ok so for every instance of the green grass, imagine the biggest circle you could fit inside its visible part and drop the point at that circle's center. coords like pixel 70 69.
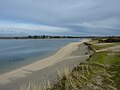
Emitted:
pixel 93 44
pixel 98 47
pixel 114 69
pixel 100 72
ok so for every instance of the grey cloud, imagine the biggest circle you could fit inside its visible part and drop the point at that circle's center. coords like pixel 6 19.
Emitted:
pixel 85 17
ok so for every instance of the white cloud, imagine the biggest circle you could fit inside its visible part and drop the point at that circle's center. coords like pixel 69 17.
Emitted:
pixel 42 28
pixel 30 29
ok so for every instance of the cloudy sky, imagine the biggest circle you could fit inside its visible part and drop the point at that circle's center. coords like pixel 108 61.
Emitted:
pixel 59 17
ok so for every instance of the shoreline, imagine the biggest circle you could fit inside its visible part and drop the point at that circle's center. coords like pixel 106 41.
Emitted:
pixel 29 59
pixel 64 54
pixel 26 62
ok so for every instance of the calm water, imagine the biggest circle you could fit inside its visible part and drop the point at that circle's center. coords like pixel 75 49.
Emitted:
pixel 14 53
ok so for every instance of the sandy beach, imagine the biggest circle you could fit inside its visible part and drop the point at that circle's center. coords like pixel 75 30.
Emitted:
pixel 70 56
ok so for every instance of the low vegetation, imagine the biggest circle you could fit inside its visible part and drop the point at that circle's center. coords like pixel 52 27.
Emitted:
pixel 110 39
pixel 100 72
pixel 41 37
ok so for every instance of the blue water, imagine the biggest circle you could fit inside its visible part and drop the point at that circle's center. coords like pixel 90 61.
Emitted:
pixel 18 52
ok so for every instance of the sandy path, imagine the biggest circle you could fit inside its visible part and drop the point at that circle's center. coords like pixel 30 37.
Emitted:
pixel 113 48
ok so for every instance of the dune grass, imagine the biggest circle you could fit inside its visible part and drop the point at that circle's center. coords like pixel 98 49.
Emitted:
pixel 94 74
pixel 100 72
pixel 33 86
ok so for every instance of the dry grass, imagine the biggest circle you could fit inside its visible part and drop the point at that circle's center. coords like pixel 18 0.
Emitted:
pixel 33 86
pixel 84 77
pixel 94 74
pixel 99 72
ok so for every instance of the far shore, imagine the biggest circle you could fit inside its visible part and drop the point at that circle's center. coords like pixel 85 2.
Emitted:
pixel 70 55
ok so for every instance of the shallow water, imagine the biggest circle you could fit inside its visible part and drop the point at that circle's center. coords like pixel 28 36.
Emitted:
pixel 14 53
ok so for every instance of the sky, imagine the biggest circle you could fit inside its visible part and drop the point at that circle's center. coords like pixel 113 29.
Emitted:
pixel 60 17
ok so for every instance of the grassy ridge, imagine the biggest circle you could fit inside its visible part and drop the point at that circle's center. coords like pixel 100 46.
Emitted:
pixel 100 72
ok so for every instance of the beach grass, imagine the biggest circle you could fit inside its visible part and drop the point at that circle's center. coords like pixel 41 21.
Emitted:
pixel 100 72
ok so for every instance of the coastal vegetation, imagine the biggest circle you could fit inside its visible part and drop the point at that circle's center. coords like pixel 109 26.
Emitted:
pixel 100 72
pixel 110 39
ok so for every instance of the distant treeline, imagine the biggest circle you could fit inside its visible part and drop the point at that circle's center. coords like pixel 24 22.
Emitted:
pixel 110 39
pixel 39 37
pixel 57 37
